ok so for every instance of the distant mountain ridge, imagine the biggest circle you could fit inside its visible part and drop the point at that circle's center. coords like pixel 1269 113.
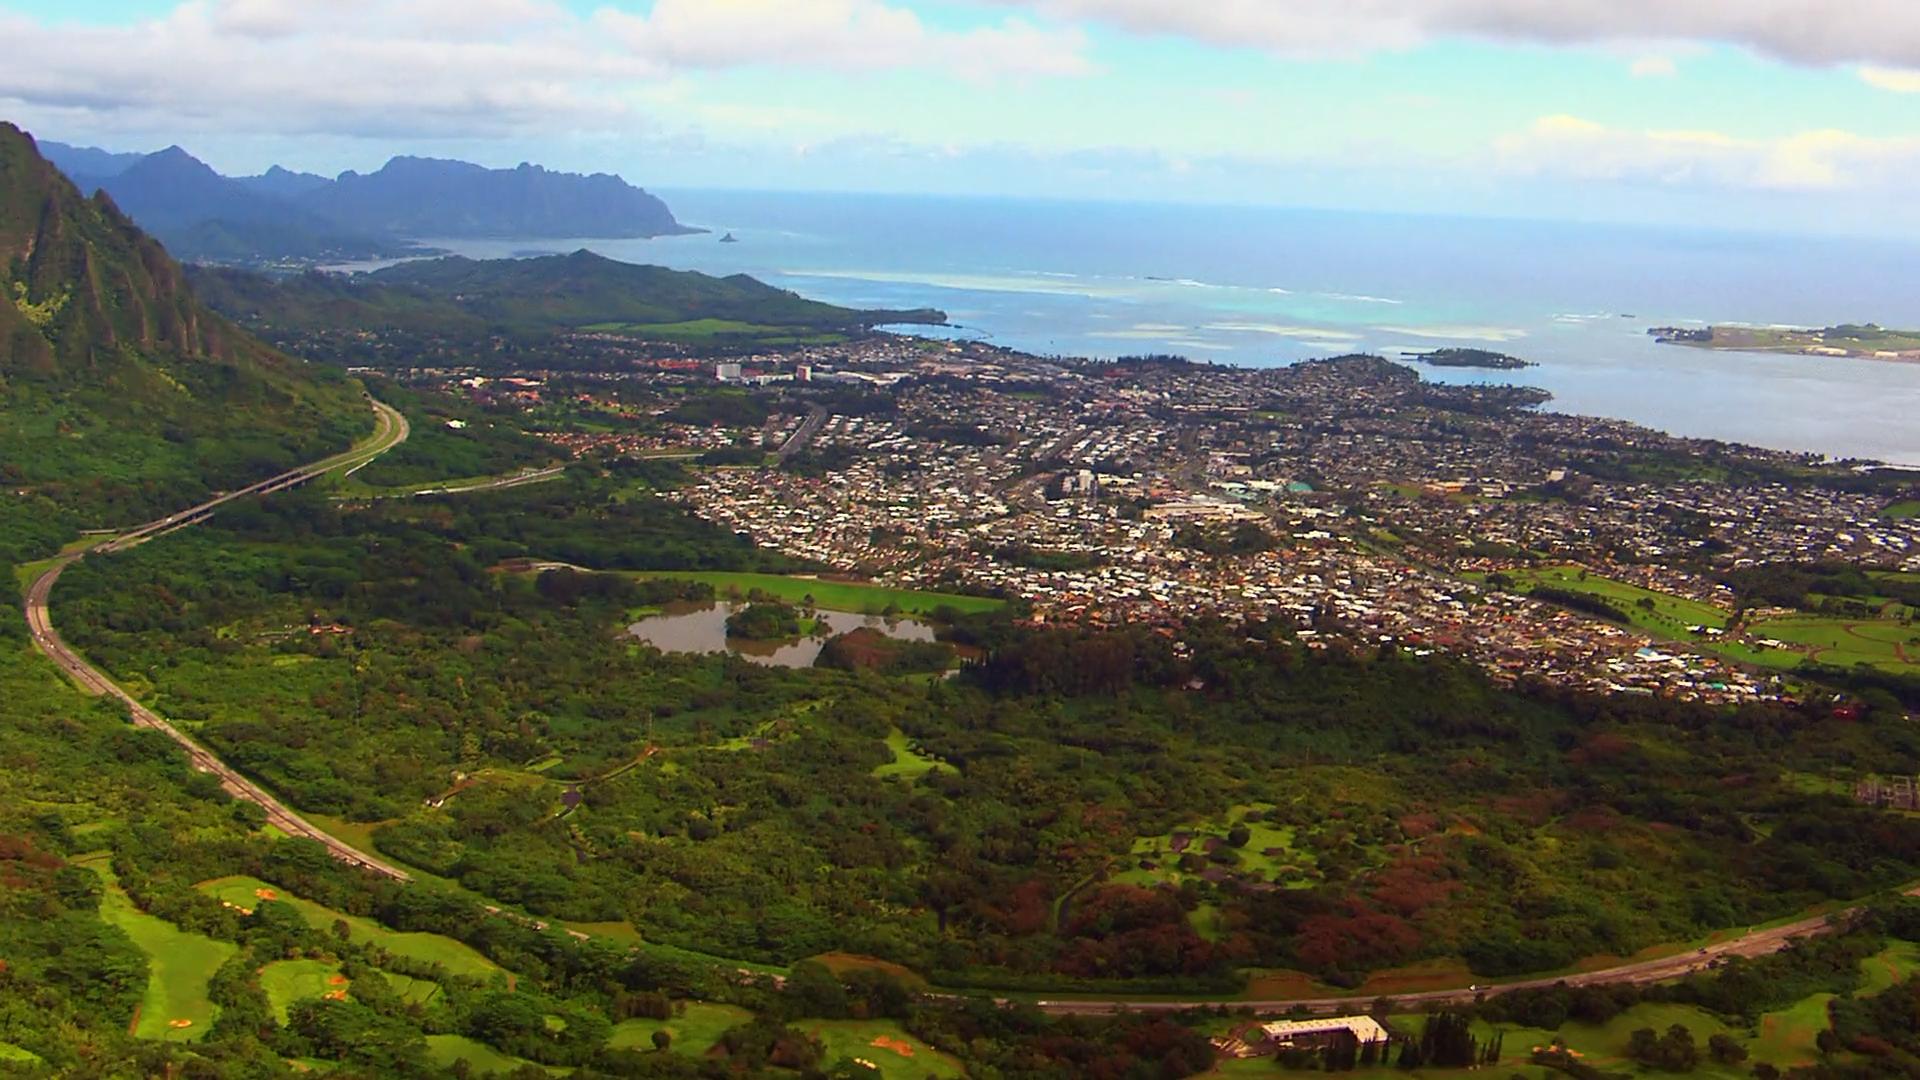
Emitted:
pixel 542 294
pixel 430 197
pixel 283 216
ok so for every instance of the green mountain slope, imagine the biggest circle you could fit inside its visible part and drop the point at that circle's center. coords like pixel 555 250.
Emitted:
pixel 121 396
pixel 548 293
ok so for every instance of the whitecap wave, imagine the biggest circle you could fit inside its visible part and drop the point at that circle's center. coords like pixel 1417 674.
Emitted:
pixel 1281 330
pixel 1359 298
pixel 1457 333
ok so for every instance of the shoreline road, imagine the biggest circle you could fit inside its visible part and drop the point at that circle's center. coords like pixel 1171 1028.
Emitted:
pixel 391 430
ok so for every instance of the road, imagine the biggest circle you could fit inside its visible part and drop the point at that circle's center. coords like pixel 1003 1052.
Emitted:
pixel 1753 943
pixel 391 429
pixel 808 429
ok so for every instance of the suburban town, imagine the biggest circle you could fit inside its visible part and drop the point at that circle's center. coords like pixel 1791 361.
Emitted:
pixel 1345 498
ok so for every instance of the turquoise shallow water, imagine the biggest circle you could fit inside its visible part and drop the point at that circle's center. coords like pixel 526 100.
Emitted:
pixel 1268 286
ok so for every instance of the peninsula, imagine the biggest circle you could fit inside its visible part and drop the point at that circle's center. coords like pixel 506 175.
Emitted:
pixel 1867 341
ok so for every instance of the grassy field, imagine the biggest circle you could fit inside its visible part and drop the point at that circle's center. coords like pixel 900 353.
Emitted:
pixel 1669 617
pixel 832 595
pixel 1272 852
pixel 694 1031
pixel 907 761
pixel 1883 643
pixel 287 981
pixel 18 1055
pixel 444 1050
pixel 1897 961
pixel 899 1055
pixel 179 965
pixel 1903 510
pixel 456 957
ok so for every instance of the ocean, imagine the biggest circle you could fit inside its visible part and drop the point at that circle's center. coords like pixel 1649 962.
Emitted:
pixel 1264 286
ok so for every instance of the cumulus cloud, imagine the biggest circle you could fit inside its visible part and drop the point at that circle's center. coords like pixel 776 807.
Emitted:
pixel 1898 80
pixel 471 67
pixel 841 35
pixel 1821 160
pixel 1800 31
pixel 1653 67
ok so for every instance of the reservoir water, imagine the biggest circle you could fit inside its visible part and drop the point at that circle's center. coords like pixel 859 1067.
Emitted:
pixel 691 627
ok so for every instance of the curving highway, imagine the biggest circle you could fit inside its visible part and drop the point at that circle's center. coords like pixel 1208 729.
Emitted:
pixel 391 429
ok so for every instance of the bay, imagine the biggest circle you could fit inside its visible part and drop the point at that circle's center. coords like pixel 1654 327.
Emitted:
pixel 1264 286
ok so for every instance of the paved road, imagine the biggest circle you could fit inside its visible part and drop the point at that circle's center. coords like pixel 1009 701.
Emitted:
pixel 809 427
pixel 1753 943
pixel 390 431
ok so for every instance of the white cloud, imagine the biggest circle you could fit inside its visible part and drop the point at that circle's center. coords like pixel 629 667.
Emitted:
pixel 1801 31
pixel 1898 80
pixel 469 67
pixel 1820 160
pixel 839 35
pixel 1654 67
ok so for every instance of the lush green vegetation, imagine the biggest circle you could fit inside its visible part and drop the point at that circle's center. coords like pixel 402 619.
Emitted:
pixel 121 398
pixel 1474 358
pixel 764 620
pixel 1402 803
pixel 1660 613
pixel 450 440
pixel 458 296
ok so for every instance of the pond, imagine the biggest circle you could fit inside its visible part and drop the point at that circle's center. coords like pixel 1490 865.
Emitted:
pixel 692 627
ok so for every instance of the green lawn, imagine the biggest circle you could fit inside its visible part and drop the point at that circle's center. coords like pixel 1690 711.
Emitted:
pixel 179 965
pixel 444 1050
pixel 1903 510
pixel 457 958
pixel 1669 617
pixel 908 761
pixel 1843 642
pixel 900 1057
pixel 287 981
pixel 832 595
pixel 1290 866
pixel 694 1031
pixel 1899 960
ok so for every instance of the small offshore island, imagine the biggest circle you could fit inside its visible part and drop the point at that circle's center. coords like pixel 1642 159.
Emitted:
pixel 1468 358
pixel 1867 341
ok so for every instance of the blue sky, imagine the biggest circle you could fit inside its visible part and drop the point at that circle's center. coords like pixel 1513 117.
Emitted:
pixel 1773 114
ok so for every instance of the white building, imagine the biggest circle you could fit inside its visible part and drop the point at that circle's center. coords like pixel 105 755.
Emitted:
pixel 1364 1029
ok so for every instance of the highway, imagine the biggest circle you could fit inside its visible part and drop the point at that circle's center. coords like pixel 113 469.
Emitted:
pixel 391 429
pixel 1751 944
pixel 809 427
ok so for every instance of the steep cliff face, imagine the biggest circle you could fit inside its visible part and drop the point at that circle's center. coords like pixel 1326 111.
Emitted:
pixel 84 286
pixel 117 386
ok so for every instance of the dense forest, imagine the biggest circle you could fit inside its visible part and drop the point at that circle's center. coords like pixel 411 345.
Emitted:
pixel 1078 818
